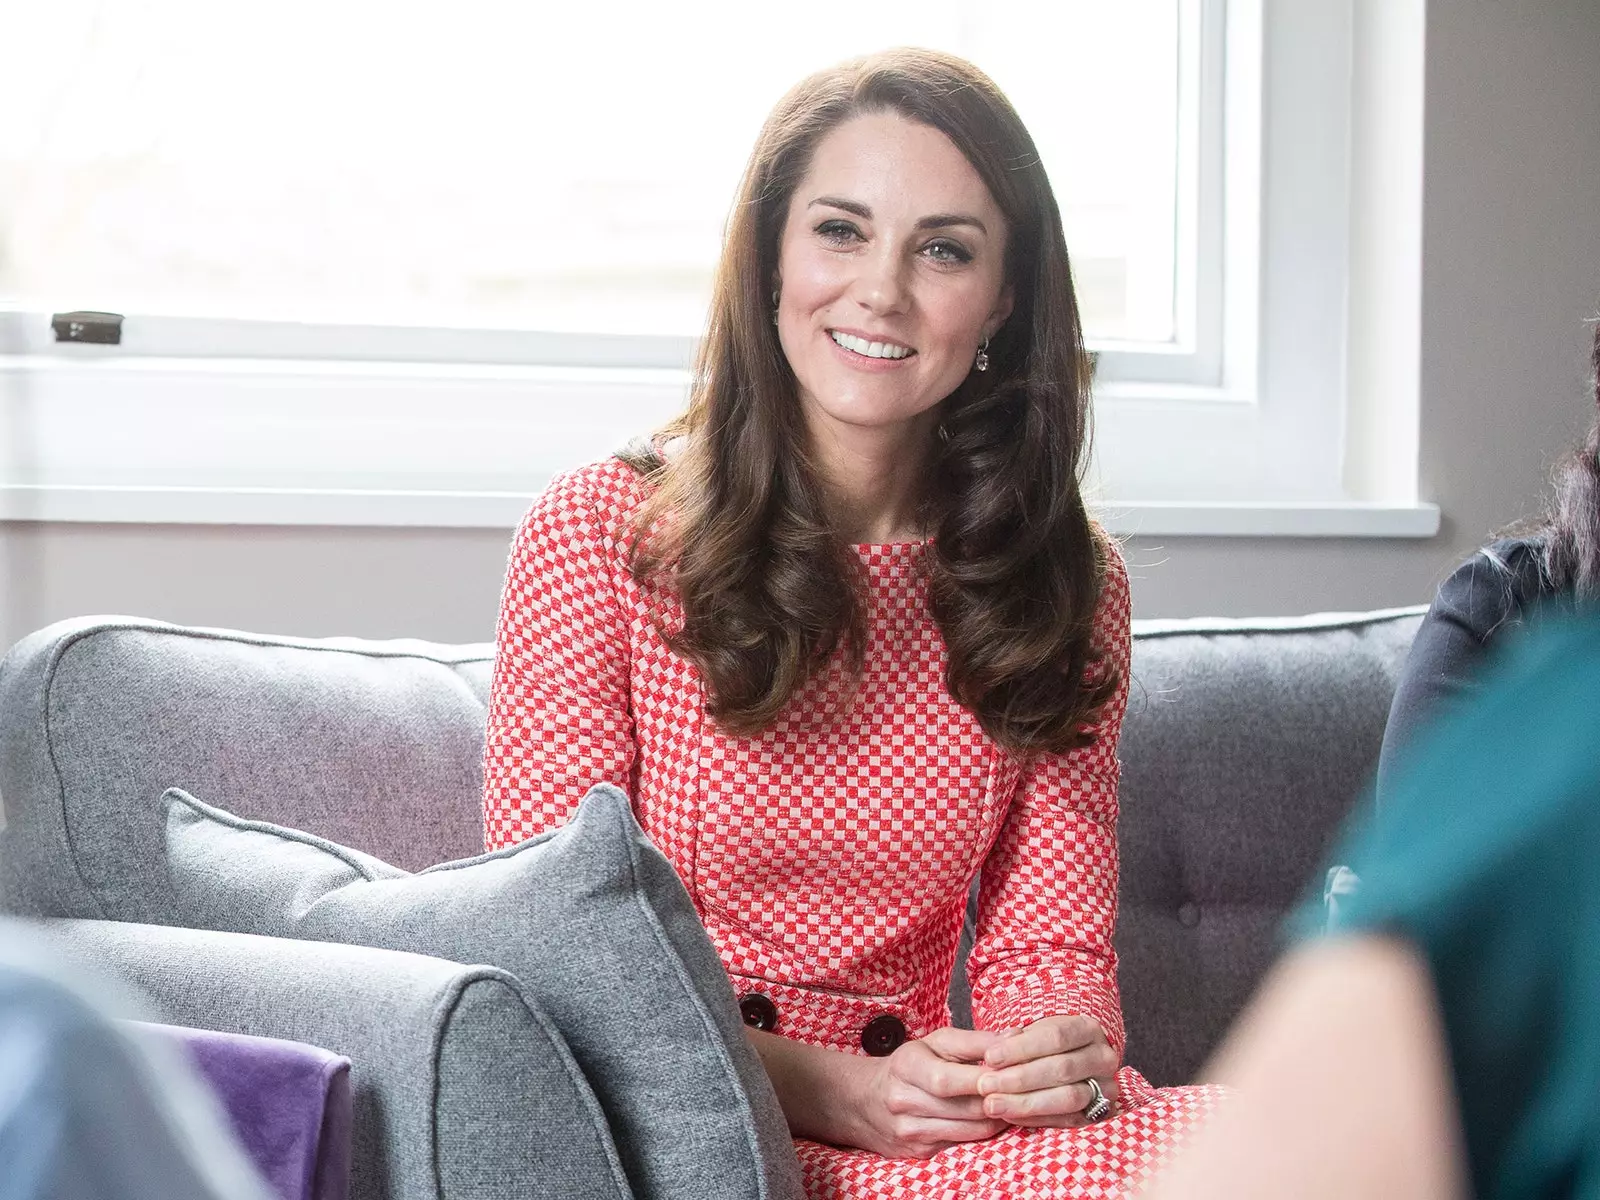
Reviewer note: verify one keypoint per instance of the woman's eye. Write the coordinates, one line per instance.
(950, 252)
(839, 232)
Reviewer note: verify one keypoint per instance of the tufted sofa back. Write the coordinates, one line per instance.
(1245, 746)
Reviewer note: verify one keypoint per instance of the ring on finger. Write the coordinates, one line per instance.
(1099, 1107)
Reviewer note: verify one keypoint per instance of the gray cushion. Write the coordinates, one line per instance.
(593, 921)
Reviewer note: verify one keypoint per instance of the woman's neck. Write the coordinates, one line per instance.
(875, 479)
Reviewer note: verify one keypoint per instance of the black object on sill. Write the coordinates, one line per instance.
(104, 329)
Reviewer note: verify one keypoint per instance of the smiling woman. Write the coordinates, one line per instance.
(846, 634)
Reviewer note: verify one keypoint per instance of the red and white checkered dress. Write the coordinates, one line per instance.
(829, 857)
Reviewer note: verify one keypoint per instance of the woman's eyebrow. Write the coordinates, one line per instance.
(936, 221)
(849, 206)
(944, 220)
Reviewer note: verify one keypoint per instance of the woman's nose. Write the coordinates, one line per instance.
(882, 287)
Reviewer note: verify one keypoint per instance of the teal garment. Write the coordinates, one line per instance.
(1486, 856)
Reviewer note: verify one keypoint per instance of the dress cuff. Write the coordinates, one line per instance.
(1021, 1001)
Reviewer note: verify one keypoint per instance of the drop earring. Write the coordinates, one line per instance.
(774, 306)
(981, 363)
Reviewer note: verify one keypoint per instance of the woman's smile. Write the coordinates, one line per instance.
(869, 352)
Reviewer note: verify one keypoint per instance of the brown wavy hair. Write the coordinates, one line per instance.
(1569, 533)
(738, 526)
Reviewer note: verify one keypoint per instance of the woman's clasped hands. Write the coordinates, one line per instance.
(960, 1085)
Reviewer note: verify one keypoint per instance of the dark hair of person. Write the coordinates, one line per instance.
(1570, 530)
(737, 526)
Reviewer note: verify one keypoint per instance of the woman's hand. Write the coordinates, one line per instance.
(924, 1097)
(1035, 1075)
(911, 1104)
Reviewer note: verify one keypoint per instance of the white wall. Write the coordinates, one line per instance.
(1511, 271)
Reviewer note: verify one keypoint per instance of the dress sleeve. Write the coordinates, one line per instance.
(559, 719)
(1047, 899)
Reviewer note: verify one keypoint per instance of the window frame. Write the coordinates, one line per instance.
(377, 420)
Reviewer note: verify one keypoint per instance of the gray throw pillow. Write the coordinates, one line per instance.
(593, 921)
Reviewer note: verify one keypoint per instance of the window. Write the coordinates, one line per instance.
(397, 248)
(520, 166)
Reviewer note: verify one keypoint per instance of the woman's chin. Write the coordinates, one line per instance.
(872, 418)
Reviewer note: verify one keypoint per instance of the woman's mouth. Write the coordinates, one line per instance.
(869, 349)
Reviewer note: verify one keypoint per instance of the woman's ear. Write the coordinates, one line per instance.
(1001, 310)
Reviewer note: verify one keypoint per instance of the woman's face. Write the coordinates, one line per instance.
(890, 275)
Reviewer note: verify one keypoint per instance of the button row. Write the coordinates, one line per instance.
(882, 1035)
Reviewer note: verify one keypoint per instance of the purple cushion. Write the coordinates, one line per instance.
(288, 1102)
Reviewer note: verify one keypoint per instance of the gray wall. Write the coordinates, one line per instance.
(1511, 270)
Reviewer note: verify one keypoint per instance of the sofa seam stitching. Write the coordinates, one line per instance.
(56, 655)
(203, 633)
(1363, 621)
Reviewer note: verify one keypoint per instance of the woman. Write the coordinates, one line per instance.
(846, 634)
(1553, 564)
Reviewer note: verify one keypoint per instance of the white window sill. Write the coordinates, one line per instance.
(501, 510)
(1324, 519)
(222, 442)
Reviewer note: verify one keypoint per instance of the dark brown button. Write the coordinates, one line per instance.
(883, 1035)
(758, 1011)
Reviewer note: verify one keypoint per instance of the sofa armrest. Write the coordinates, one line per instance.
(460, 1084)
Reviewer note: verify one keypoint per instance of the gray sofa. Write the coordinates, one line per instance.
(1245, 745)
